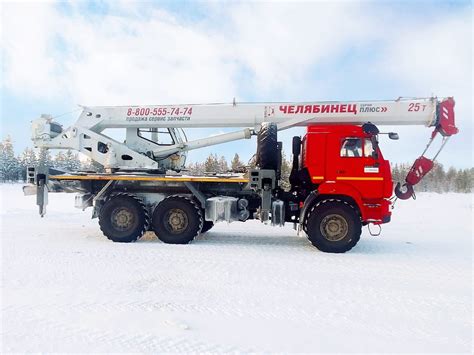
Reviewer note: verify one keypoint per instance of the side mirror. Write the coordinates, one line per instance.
(393, 135)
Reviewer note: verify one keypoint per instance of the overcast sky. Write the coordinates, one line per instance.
(56, 55)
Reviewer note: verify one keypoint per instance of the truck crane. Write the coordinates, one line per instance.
(339, 180)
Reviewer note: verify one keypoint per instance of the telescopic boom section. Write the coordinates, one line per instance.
(396, 112)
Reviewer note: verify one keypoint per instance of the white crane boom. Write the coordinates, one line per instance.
(396, 112)
(154, 138)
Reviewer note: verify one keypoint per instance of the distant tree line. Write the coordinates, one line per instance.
(438, 179)
(13, 168)
(219, 165)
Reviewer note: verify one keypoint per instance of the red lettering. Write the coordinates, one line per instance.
(352, 108)
(291, 109)
(316, 108)
(307, 109)
(326, 109)
(343, 108)
(334, 108)
(284, 109)
(299, 109)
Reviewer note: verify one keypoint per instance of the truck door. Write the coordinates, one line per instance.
(357, 164)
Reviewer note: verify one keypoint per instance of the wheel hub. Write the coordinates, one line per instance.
(334, 227)
(177, 220)
(122, 218)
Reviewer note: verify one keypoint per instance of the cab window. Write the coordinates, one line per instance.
(351, 148)
(368, 148)
(157, 136)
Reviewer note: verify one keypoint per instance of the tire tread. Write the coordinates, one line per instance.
(357, 226)
(198, 211)
(139, 233)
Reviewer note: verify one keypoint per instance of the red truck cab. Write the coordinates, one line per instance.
(345, 161)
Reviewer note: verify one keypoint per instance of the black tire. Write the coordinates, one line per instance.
(123, 218)
(333, 226)
(267, 147)
(177, 220)
(206, 226)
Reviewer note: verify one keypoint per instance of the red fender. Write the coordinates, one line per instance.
(341, 188)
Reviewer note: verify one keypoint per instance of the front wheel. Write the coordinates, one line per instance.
(333, 226)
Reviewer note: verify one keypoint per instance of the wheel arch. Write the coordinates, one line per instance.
(342, 192)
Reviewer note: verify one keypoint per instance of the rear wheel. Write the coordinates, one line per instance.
(333, 226)
(123, 218)
(177, 220)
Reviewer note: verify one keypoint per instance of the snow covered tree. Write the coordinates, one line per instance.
(44, 158)
(90, 165)
(285, 173)
(471, 180)
(27, 159)
(450, 179)
(211, 164)
(222, 166)
(463, 181)
(236, 164)
(72, 162)
(196, 168)
(60, 161)
(67, 161)
(397, 174)
(436, 178)
(9, 165)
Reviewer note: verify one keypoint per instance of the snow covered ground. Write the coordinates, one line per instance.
(240, 287)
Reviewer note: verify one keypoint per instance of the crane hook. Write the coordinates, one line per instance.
(422, 166)
(404, 192)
